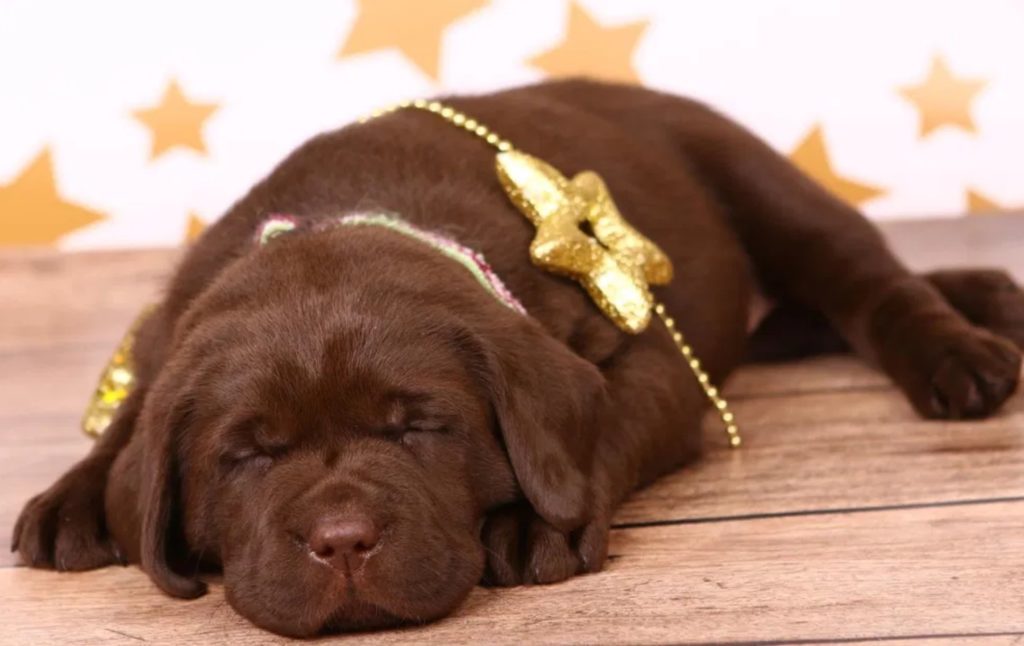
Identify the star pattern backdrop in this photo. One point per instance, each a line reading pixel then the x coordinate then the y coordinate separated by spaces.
pixel 136 124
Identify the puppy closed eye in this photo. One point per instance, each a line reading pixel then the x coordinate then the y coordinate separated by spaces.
pixel 248 445
pixel 248 458
pixel 415 434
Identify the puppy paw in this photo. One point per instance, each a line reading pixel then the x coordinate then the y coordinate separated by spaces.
pixel 522 548
pixel 969 375
pixel 988 298
pixel 64 527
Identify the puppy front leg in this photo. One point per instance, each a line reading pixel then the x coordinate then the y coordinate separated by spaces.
pixel 65 527
pixel 651 427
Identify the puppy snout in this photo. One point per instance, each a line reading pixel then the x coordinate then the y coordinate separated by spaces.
pixel 342 541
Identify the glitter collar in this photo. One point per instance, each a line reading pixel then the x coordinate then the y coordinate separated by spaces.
pixel 473 261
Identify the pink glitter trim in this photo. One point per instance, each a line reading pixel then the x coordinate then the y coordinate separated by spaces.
pixel 278 224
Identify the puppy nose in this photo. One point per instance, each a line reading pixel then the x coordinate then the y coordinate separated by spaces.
pixel 338 539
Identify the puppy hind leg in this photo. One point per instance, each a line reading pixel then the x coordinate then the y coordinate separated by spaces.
pixel 988 298
pixel 817 252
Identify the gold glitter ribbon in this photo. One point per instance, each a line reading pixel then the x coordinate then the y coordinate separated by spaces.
pixel 613 262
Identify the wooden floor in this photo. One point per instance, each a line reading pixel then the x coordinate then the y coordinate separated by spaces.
pixel 844 518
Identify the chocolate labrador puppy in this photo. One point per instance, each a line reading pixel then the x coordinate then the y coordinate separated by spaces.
pixel 357 432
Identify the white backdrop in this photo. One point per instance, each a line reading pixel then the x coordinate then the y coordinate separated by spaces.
pixel 128 123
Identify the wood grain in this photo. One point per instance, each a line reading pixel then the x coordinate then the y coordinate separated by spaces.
pixel 54 300
pixel 839 451
pixel 844 517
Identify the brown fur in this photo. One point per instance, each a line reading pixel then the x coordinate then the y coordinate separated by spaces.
pixel 356 433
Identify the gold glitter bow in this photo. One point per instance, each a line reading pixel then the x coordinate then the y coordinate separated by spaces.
pixel 115 383
pixel 615 265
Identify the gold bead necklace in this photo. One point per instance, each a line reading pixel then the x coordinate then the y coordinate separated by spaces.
pixel 627 319
pixel 625 261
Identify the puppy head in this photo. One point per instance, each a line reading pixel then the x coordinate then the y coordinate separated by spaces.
pixel 338 413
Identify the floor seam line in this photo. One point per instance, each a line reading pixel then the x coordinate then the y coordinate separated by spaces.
pixel 700 520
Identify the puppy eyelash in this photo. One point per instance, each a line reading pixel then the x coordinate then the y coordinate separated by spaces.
pixel 426 427
pixel 403 435
pixel 395 434
pixel 248 458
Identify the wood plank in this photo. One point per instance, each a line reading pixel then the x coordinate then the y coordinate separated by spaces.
pixel 839 450
pixel 937 571
pixel 53 299
pixel 840 372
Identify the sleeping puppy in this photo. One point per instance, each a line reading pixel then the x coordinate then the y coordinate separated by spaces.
pixel 356 431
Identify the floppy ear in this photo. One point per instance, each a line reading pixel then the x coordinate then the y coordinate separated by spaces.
pixel 164 414
pixel 547 401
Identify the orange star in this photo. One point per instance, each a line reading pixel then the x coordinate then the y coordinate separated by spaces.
pixel 590 49
pixel 811 156
pixel 415 28
pixel 943 99
pixel 194 228
pixel 176 121
pixel 979 204
pixel 32 212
